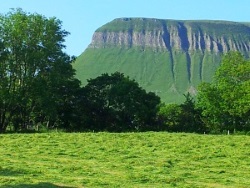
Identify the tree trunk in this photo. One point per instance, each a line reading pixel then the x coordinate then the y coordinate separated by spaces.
pixel 2 127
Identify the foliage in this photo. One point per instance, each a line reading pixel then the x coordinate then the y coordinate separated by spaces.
pixel 226 101
pixel 116 103
pixel 181 118
pixel 146 159
pixel 38 87
pixel 35 73
pixel 169 116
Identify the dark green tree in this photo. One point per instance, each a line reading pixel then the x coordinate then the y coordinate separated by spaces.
pixel 181 118
pixel 191 116
pixel 34 69
pixel 116 103
pixel 170 117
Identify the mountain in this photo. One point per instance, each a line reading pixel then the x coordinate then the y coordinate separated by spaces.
pixel 168 57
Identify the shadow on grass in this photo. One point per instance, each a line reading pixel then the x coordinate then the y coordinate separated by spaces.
pixel 9 172
pixel 39 185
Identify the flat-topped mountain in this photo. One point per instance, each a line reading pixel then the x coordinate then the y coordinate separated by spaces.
pixel 216 36
pixel 169 57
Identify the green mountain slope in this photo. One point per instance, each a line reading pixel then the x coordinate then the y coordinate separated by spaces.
pixel 167 57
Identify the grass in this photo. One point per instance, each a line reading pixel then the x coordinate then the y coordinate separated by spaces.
pixel 124 160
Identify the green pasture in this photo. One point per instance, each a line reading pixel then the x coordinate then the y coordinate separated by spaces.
pixel 124 160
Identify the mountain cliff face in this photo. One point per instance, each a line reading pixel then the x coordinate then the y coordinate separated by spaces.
pixel 168 57
pixel 216 36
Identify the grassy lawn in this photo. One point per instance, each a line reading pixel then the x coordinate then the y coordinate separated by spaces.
pixel 124 160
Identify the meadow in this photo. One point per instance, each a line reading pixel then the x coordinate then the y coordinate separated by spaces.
pixel 150 159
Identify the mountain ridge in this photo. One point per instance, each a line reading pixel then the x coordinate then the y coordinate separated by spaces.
pixel 167 34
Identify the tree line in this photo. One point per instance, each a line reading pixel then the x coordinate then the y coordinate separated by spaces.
pixel 38 89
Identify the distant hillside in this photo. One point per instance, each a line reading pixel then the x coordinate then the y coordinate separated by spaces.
pixel 168 57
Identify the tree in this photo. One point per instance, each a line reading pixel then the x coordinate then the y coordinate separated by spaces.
pixel 226 101
pixel 116 103
pixel 181 118
pixel 169 117
pixel 191 116
pixel 33 68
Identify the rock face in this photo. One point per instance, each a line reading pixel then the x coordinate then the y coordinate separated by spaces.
pixel 168 57
pixel 216 36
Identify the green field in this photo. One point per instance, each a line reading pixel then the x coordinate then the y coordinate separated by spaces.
pixel 124 160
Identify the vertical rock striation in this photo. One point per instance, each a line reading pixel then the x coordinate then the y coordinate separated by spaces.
pixel 214 36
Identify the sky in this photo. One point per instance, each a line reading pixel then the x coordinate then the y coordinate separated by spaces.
pixel 82 17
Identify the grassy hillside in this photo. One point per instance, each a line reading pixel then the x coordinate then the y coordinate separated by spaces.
pixel 169 74
pixel 124 160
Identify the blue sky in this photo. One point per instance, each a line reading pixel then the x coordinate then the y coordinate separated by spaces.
pixel 82 17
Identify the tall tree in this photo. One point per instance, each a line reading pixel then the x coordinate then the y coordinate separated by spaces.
pixel 116 103
pixel 33 68
pixel 226 101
